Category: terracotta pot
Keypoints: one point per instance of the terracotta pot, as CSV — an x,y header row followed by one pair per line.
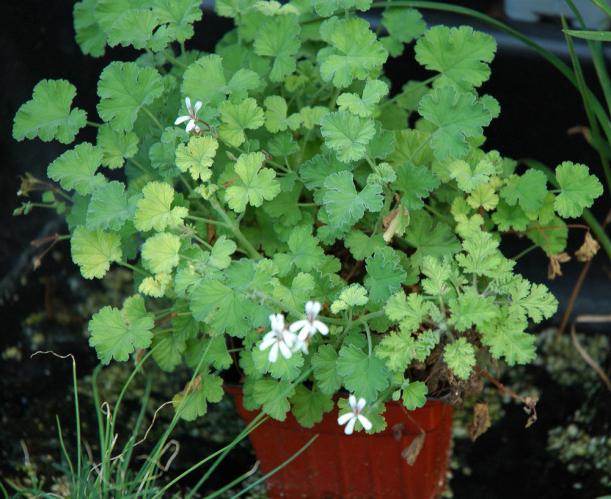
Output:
x,y
359,465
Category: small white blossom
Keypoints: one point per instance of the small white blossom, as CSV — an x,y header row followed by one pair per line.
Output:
x,y
279,339
352,417
307,327
191,118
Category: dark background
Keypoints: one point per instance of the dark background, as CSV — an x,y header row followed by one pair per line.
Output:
x,y
538,106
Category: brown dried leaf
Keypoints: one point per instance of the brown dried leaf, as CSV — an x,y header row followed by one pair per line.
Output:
x,y
553,270
530,408
588,249
411,452
480,422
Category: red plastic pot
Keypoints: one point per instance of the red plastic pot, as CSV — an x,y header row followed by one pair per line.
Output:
x,y
356,466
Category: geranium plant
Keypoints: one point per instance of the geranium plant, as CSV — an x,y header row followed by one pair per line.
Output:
x,y
289,217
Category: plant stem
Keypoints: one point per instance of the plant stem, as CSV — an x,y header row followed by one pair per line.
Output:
x,y
174,61
207,220
153,118
133,268
94,124
231,224
525,252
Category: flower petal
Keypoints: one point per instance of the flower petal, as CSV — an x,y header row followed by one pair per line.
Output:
x,y
188,104
298,326
181,119
360,404
289,338
198,106
321,327
312,308
190,126
285,350
350,426
343,419
352,402
365,422
273,353
268,341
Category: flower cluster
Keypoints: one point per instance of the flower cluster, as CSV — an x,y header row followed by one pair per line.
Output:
x,y
298,335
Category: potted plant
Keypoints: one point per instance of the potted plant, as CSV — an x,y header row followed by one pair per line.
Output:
x,y
291,221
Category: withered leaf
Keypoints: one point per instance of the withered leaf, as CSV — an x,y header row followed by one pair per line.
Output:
x,y
411,452
480,422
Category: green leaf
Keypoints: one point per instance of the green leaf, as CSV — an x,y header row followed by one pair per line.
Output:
x,y
108,208
315,171
410,312
207,80
220,255
304,247
528,190
510,217
116,146
154,210
124,89
192,402
167,349
94,250
275,113
273,396
178,17
237,118
155,286
353,296
506,338
326,8
89,35
344,205
160,252
347,135
254,183
76,169
469,178
598,36
438,273
364,106
385,275
458,116
197,157
551,236
344,60
116,334
309,406
483,256
415,182
361,374
470,309
414,395
324,367
397,350
278,37
285,369
403,25
48,115
536,301
225,310
578,189
460,358
460,54
361,245
430,237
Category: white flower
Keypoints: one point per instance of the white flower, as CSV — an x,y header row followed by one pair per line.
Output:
x,y
354,415
278,339
307,327
191,117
